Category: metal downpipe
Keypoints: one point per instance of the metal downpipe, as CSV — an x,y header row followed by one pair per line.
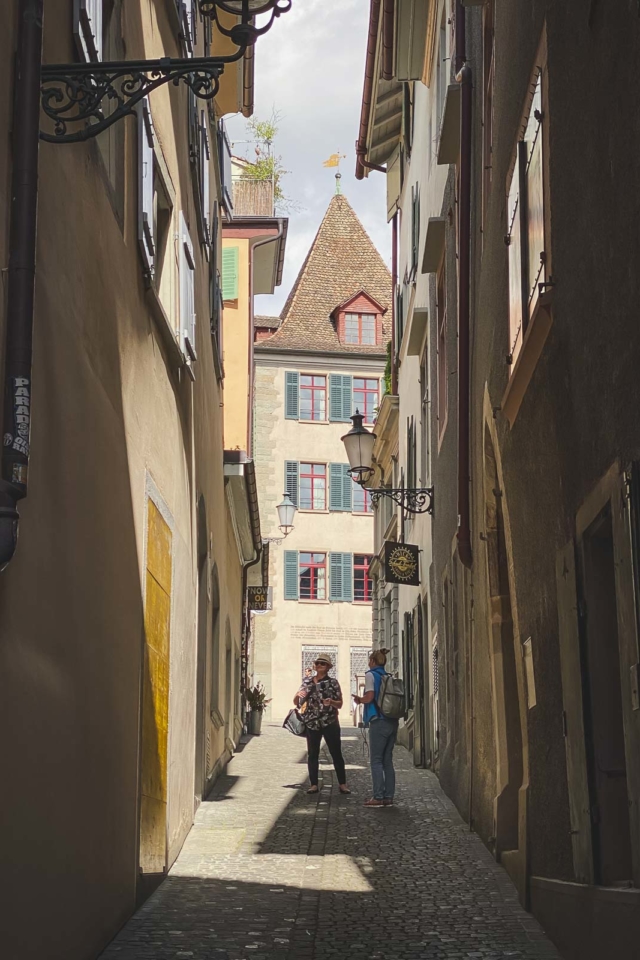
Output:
x,y
21,274
464,366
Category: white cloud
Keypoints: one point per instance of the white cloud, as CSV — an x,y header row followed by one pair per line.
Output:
x,y
310,68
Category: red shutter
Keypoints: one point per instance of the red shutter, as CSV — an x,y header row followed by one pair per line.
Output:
x,y
340,326
378,329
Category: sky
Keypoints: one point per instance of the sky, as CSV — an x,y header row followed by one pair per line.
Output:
x,y
310,69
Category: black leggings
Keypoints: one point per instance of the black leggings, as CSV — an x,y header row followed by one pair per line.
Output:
x,y
331,736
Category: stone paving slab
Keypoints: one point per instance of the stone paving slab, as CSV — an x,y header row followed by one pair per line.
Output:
x,y
269,873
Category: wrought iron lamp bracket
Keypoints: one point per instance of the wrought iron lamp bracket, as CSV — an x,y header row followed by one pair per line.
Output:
x,y
97,95
83,99
411,500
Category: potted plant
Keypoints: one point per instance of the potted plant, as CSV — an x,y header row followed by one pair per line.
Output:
x,y
257,701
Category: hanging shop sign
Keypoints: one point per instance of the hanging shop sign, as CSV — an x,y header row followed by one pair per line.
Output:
x,y
402,563
260,598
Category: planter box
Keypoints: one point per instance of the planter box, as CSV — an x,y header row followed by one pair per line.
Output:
x,y
255,723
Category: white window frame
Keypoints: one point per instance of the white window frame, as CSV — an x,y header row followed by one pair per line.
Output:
x,y
188,20
146,197
205,173
87,29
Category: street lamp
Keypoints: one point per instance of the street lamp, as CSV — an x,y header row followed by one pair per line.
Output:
x,y
359,443
286,514
247,10
83,99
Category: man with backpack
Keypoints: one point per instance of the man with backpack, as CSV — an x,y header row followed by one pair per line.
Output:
x,y
384,704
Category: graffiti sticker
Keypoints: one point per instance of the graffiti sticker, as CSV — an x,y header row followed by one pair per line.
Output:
x,y
21,416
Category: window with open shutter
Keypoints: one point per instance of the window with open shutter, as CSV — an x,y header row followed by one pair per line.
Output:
x,y
341,577
224,150
291,479
146,212
415,228
535,199
341,486
291,574
188,22
215,287
87,28
205,172
515,266
526,236
187,290
230,263
291,394
340,397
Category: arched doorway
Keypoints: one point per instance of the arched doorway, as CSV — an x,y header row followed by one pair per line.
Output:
x,y
504,666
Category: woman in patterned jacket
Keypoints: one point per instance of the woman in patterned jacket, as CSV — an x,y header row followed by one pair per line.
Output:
x,y
321,698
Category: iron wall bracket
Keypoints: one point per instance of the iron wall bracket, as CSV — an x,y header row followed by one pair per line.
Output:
x,y
97,95
411,500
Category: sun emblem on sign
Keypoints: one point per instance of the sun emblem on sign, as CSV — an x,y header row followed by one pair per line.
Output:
x,y
402,563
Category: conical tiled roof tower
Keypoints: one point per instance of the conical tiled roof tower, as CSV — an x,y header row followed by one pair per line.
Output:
x,y
342,262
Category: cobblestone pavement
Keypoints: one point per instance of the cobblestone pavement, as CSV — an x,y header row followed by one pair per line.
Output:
x,y
269,873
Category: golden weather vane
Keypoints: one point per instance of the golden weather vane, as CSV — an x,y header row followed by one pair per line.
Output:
x,y
334,161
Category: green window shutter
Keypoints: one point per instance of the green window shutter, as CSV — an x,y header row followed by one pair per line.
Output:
x,y
335,574
347,577
291,574
291,394
230,257
340,397
340,487
335,396
341,574
347,398
347,488
291,475
335,486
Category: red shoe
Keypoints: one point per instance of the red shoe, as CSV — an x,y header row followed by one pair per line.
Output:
x,y
387,803
374,803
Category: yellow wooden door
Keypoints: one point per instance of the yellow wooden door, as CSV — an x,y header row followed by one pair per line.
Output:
x,y
155,695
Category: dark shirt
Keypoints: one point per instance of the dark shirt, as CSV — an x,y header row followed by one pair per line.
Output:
x,y
316,716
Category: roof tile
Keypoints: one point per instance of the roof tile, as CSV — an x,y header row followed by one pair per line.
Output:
x,y
342,261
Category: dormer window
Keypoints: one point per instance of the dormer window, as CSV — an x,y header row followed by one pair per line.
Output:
x,y
360,328
359,321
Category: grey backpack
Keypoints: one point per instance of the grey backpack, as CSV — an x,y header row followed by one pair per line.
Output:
x,y
391,700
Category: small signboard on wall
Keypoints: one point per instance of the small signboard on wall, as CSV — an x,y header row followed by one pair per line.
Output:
x,y
260,598
402,563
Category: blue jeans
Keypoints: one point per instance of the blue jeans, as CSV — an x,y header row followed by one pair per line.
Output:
x,y
382,740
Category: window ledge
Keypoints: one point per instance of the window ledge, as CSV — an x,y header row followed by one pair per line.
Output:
x,y
533,344
302,600
315,422
311,510
216,718
163,325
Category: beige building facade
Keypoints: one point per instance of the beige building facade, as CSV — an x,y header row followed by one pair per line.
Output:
x,y
326,359
122,610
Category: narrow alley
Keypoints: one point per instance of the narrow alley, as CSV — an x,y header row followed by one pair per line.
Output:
x,y
268,872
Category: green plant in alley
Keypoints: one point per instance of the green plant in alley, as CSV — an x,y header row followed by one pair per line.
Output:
x,y
268,165
257,698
